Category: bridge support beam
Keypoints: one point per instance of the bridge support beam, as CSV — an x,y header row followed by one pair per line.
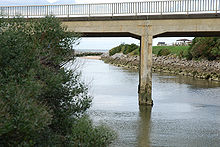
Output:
x,y
145,73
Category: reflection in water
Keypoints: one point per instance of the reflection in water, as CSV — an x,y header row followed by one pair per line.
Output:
x,y
194,83
144,126
186,111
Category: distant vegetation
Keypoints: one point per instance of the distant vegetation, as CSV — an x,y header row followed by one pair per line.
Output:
x,y
163,52
181,51
125,49
133,49
201,48
205,48
41,102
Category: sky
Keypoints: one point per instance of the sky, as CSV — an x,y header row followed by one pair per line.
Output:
x,y
91,43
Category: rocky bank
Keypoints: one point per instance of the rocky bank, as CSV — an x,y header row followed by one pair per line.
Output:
x,y
202,69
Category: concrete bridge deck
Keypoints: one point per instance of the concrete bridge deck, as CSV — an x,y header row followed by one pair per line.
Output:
x,y
142,20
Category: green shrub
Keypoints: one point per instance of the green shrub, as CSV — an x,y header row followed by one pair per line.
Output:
x,y
136,52
116,50
123,48
163,52
205,48
85,134
134,49
22,118
130,48
41,100
176,50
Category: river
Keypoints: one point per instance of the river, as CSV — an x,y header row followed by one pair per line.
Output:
x,y
186,111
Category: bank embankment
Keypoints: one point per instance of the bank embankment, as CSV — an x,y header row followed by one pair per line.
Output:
x,y
84,54
202,69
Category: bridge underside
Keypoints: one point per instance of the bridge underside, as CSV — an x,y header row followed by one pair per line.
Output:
x,y
110,34
190,34
166,34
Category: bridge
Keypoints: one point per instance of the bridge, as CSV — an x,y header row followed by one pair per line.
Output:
x,y
142,20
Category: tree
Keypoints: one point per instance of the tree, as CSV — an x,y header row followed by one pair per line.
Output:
x,y
205,48
41,101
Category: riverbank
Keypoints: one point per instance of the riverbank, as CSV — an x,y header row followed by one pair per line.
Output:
x,y
84,54
202,69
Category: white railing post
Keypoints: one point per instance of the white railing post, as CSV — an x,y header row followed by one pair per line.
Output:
x,y
112,9
136,8
187,8
27,11
68,11
89,10
8,12
216,6
47,9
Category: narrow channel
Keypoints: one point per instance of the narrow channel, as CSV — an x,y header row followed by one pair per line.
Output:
x,y
185,112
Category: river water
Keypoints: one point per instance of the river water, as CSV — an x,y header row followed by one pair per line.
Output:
x,y
186,111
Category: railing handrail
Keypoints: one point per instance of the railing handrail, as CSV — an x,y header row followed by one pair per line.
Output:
x,y
150,7
89,3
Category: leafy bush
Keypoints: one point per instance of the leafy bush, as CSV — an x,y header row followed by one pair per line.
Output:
x,y
175,50
134,49
136,52
163,52
86,135
124,48
205,48
115,50
130,48
21,117
40,100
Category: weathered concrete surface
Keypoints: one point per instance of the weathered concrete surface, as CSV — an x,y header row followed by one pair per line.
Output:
x,y
134,28
116,28
146,29
145,69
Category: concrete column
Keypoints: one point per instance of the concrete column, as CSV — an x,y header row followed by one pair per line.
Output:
x,y
145,73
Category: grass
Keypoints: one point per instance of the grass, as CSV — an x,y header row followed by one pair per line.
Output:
x,y
132,49
173,49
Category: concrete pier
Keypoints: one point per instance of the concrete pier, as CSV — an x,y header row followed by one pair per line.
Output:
x,y
145,70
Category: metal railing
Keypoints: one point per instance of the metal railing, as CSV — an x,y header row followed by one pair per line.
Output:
x,y
115,9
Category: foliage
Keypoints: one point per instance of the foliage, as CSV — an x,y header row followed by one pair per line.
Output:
x,y
116,49
89,136
130,48
135,52
177,50
201,48
205,48
134,49
21,117
163,52
123,48
40,100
